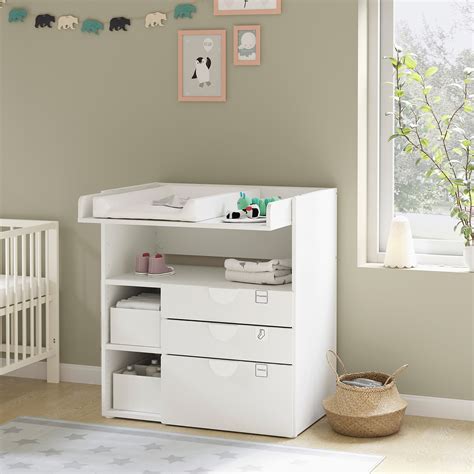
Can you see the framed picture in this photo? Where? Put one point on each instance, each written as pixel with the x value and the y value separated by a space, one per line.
pixel 202 65
pixel 247 7
pixel 247 45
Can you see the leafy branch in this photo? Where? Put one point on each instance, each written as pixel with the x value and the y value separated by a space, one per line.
pixel 439 139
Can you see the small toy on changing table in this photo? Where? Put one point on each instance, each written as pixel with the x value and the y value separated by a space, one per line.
pixel 262 204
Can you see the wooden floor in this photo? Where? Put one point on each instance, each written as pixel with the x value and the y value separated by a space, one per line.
pixel 423 445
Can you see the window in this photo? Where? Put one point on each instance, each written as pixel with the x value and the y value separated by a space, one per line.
pixel 439 33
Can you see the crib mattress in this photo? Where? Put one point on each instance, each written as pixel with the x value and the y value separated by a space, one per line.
pixel 21 292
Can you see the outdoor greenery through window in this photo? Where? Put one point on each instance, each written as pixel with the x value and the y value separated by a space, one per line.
pixel 438 33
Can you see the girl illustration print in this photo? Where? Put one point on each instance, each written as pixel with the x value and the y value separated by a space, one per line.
pixel 202 71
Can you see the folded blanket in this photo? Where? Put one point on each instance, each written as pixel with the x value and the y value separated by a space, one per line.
pixel 148 301
pixel 261 278
pixel 257 267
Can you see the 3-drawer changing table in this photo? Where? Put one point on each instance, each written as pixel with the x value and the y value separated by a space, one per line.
pixel 234 356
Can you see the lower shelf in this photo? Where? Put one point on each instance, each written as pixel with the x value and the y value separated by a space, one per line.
pixel 123 347
pixel 132 415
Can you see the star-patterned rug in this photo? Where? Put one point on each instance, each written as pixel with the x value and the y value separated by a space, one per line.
pixel 29 445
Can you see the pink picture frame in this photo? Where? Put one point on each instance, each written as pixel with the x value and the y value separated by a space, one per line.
pixel 251 50
pixel 218 11
pixel 210 51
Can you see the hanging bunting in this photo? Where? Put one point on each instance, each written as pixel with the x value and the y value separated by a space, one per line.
pixel 45 20
pixel 184 10
pixel 92 26
pixel 67 22
pixel 72 22
pixel 17 15
pixel 155 19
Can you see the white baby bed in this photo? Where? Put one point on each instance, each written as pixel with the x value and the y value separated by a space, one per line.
pixel 29 298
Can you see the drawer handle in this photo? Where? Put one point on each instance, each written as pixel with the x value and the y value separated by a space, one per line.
pixel 223 368
pixel 223 332
pixel 223 295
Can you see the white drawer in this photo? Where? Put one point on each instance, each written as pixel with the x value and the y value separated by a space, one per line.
pixel 137 393
pixel 246 306
pixel 228 395
pixel 228 341
pixel 135 327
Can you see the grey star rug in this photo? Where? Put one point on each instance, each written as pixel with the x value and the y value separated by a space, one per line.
pixel 31 445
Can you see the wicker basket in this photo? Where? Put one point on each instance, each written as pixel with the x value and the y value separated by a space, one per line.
pixel 365 412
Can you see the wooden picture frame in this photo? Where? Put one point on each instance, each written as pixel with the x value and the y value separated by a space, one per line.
pixel 247 48
pixel 244 7
pixel 202 64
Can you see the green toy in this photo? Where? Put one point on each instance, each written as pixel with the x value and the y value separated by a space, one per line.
pixel 92 26
pixel 184 10
pixel 245 201
pixel 17 15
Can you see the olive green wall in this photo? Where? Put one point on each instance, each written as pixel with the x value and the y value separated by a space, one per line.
pixel 84 113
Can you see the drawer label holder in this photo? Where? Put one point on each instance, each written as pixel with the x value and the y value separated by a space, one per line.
pixel 261 370
pixel 261 296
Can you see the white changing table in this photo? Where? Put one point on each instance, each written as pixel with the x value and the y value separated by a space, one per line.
pixel 218 371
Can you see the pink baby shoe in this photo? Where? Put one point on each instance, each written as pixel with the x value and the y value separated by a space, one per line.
pixel 157 265
pixel 141 264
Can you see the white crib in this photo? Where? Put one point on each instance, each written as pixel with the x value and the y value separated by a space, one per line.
pixel 29 295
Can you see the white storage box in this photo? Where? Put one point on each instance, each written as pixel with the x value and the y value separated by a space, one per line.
pixel 135 327
pixel 228 341
pixel 246 306
pixel 138 393
pixel 228 395
pixel 205 202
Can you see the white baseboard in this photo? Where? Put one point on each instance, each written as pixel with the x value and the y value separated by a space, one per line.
pixel 87 374
pixel 431 407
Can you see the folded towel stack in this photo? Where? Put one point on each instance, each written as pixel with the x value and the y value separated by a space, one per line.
pixel 149 301
pixel 272 272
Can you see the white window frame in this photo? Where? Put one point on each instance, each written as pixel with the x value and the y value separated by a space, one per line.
pixel 374 173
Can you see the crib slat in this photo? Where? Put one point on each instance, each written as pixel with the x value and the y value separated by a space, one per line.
pixel 46 275
pixel 32 294
pixel 23 302
pixel 39 314
pixel 7 302
pixel 15 298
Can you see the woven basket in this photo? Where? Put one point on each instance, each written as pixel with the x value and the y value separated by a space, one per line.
pixel 365 412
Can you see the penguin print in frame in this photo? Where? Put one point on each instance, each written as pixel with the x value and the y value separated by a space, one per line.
pixel 247 7
pixel 247 45
pixel 202 66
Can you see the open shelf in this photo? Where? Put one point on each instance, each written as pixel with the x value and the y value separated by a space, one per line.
pixel 127 348
pixel 190 275
pixel 212 224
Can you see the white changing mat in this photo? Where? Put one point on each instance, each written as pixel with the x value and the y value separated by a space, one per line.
pixel 200 203
pixel 22 293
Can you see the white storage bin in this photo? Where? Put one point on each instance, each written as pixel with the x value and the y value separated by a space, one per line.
pixel 228 341
pixel 137 392
pixel 246 306
pixel 228 395
pixel 135 327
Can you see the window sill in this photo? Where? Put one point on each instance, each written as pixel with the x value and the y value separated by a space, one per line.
pixel 419 268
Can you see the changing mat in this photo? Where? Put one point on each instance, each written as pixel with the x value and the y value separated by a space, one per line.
pixel 22 293
pixel 190 203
